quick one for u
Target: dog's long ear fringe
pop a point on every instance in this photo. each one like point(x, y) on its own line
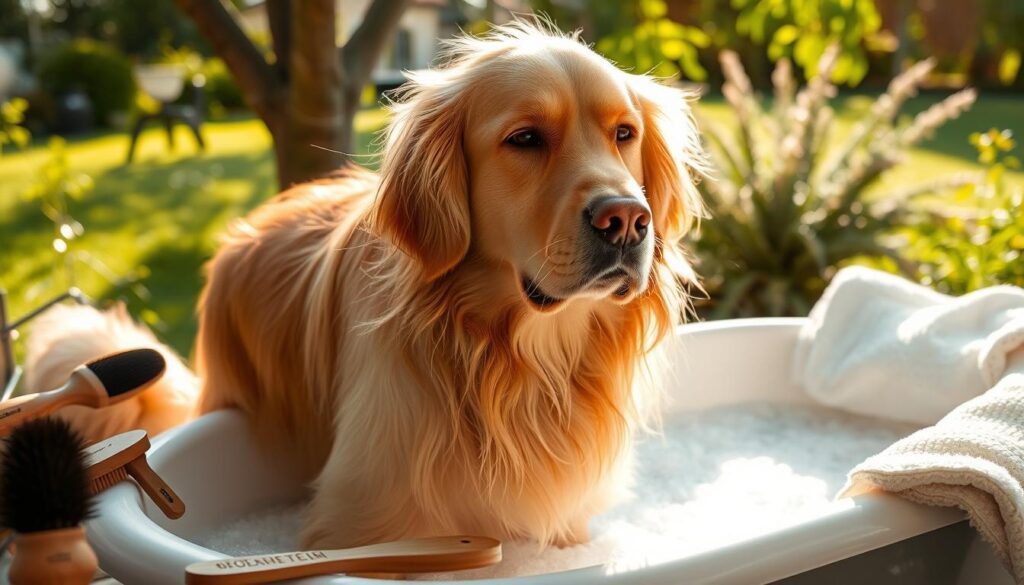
point(423, 202)
point(674, 159)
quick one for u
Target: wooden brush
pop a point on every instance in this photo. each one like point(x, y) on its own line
point(425, 555)
point(99, 383)
point(44, 498)
point(115, 459)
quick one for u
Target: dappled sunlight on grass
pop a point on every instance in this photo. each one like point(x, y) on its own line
point(161, 215)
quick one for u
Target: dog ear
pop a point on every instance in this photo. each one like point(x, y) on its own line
point(673, 158)
point(422, 205)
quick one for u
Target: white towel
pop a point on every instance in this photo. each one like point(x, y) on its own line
point(973, 459)
point(879, 345)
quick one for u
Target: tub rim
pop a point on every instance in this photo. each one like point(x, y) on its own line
point(858, 525)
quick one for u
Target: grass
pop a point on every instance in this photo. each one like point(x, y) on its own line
point(160, 217)
point(948, 152)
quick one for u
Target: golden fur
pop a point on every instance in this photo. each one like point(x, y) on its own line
point(375, 331)
point(68, 336)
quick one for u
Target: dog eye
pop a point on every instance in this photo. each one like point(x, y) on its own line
point(623, 133)
point(528, 138)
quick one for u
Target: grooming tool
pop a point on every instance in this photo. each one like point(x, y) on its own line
point(117, 458)
point(44, 498)
point(99, 383)
point(424, 555)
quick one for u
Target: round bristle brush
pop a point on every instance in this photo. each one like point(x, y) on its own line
point(99, 383)
point(44, 498)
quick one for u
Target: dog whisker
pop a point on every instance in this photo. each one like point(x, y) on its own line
point(544, 249)
point(367, 156)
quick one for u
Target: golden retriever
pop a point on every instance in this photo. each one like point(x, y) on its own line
point(457, 344)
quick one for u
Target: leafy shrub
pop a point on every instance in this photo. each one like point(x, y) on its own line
point(655, 43)
point(222, 92)
point(100, 70)
point(803, 29)
point(975, 237)
point(785, 213)
point(12, 117)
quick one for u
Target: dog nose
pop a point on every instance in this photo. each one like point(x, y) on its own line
point(620, 221)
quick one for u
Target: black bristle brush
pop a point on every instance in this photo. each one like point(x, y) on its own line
point(44, 498)
point(99, 383)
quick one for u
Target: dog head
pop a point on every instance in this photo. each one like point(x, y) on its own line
point(531, 153)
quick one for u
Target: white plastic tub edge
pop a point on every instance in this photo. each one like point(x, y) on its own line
point(134, 544)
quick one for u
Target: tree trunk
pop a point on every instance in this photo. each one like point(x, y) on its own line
point(309, 96)
point(307, 143)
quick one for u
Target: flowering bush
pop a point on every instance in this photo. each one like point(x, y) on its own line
point(785, 211)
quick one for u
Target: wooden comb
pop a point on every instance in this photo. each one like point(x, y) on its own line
point(423, 555)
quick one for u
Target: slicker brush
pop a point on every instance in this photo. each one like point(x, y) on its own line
point(44, 498)
point(103, 382)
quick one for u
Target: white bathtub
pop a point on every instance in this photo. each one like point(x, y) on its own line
point(212, 464)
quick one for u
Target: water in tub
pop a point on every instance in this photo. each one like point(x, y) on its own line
point(710, 478)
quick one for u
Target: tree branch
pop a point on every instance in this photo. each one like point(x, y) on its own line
point(279, 17)
point(216, 22)
point(360, 53)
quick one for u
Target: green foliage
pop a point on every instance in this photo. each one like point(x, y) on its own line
point(1009, 66)
point(784, 213)
point(98, 69)
point(653, 43)
point(13, 20)
point(56, 185)
point(222, 92)
point(1002, 37)
point(12, 116)
point(134, 27)
point(803, 29)
point(56, 188)
point(975, 237)
point(186, 57)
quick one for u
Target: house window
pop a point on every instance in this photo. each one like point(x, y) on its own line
point(401, 53)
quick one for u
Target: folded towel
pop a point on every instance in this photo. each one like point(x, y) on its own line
point(879, 345)
point(973, 458)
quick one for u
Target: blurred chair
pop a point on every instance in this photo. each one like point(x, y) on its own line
point(165, 84)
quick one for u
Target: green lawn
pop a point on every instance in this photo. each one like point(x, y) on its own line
point(946, 153)
point(161, 216)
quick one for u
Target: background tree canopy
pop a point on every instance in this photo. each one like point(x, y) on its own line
point(976, 42)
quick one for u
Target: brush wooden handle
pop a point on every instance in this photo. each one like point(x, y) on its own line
point(22, 408)
point(424, 555)
point(15, 411)
point(154, 485)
